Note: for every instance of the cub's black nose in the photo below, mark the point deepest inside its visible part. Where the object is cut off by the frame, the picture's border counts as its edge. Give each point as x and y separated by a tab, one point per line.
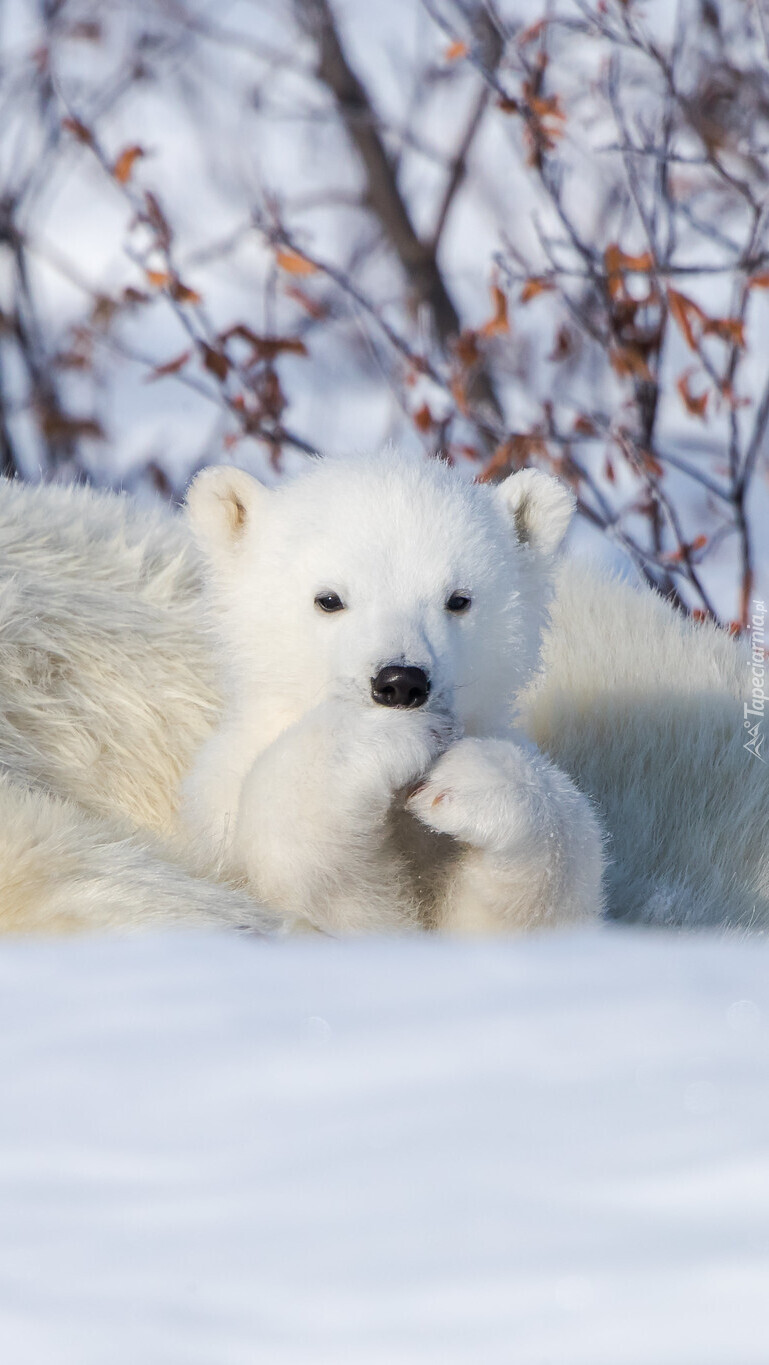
399	685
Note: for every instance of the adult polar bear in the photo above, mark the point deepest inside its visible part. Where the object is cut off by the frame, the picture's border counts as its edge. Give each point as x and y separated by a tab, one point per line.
109	690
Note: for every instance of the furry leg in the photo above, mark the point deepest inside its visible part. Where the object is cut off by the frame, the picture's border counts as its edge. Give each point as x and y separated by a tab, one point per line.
313	832
533	851
62	870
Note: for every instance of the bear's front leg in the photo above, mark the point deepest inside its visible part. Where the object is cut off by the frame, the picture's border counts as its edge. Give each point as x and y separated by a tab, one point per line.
313	831
533	845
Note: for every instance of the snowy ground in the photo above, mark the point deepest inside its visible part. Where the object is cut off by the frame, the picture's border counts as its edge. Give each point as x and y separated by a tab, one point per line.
217	1151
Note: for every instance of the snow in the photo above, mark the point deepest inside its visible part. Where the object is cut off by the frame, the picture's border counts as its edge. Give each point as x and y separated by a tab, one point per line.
216	1150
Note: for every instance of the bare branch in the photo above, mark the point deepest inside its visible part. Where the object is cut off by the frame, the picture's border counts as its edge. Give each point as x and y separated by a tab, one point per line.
417	257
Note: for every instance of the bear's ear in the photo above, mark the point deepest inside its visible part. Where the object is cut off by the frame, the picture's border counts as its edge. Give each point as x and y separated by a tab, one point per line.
221	504
541	508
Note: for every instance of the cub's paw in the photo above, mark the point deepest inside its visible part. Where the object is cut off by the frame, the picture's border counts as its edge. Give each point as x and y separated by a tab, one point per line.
481	792
397	747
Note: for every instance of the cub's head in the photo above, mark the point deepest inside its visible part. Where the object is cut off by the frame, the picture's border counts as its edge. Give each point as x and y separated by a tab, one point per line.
393	581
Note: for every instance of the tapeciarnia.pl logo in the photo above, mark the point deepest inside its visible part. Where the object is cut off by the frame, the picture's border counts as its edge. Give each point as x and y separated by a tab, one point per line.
754	710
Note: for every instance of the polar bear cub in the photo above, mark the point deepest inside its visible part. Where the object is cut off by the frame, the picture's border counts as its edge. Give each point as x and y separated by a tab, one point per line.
375	620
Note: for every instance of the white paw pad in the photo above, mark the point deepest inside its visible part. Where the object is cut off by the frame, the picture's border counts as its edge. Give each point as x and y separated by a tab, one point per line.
467	794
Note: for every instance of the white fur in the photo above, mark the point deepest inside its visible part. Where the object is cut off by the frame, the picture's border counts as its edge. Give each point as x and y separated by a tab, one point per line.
304	789
62	870
106	691
645	710
335	810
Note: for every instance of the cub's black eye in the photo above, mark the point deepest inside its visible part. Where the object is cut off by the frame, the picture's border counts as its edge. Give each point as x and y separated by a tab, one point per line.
329	601
459	602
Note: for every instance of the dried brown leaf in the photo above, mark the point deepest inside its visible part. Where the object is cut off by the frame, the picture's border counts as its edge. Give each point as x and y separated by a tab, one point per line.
530	34
57	426
455	51
103	310
293	263
696	404
547	108
124	165
182	293
629	361
584	426
263	348
72	360
686	314
157	220
459	394
728	329
170	367
499	323
78	130
87	30
423	418
651	464
466	348
314	307
536	284
159	279
267	348
215	361
132	297
618	264
513	453
683	551
565	345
